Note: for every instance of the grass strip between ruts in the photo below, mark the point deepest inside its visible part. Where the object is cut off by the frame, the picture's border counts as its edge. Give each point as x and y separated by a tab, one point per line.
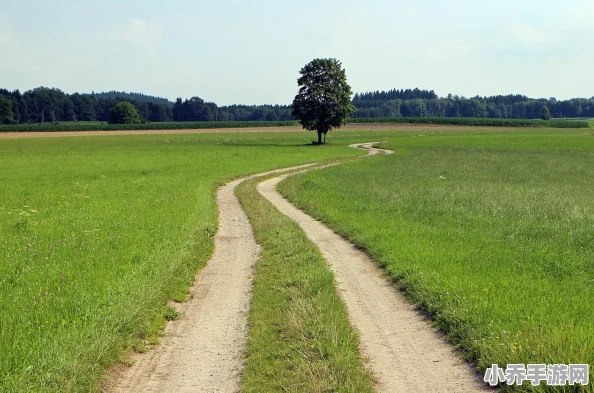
300	338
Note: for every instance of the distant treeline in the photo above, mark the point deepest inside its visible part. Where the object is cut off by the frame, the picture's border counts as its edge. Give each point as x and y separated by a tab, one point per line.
196	109
424	103
50	105
138	97
45	105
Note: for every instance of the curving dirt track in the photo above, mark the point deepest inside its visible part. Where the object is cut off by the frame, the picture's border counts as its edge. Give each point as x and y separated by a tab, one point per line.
202	352
405	353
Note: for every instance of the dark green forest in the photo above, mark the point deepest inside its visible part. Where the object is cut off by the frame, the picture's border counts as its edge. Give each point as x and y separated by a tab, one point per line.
424	103
51	105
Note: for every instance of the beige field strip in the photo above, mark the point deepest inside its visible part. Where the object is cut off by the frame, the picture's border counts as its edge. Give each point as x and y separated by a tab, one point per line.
405	353
349	127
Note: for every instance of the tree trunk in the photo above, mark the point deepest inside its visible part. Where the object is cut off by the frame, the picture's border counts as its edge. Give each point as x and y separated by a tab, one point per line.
319	137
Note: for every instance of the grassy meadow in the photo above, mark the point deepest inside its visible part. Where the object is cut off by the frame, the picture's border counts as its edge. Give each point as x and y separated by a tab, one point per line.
490	232
96	233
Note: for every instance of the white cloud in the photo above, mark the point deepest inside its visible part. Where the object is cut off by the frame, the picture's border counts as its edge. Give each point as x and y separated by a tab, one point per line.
521	33
580	14
449	51
518	37
139	32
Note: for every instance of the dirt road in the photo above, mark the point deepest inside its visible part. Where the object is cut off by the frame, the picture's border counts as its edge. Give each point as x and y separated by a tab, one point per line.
406	354
203	350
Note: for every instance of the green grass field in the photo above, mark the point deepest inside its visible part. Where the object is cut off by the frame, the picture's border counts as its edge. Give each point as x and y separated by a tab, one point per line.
477	121
448	121
98	232
170	125
490	233
588	120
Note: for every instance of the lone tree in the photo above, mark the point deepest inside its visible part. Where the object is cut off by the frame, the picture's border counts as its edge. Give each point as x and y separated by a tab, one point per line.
544	113
324	98
125	113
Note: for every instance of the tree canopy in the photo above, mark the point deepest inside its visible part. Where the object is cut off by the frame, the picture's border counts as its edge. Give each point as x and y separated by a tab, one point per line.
44	104
545	114
125	113
324	98
6	113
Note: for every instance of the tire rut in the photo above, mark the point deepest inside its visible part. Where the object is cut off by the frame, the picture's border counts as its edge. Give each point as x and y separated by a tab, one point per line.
203	350
405	352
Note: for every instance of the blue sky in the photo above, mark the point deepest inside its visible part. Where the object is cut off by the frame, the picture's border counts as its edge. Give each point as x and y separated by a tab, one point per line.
250	52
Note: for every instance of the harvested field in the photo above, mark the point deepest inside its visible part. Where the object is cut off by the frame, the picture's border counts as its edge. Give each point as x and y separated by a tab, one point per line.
349	127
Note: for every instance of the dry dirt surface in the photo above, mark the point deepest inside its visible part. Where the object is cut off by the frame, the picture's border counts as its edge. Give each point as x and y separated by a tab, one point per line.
351	127
203	350
405	353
